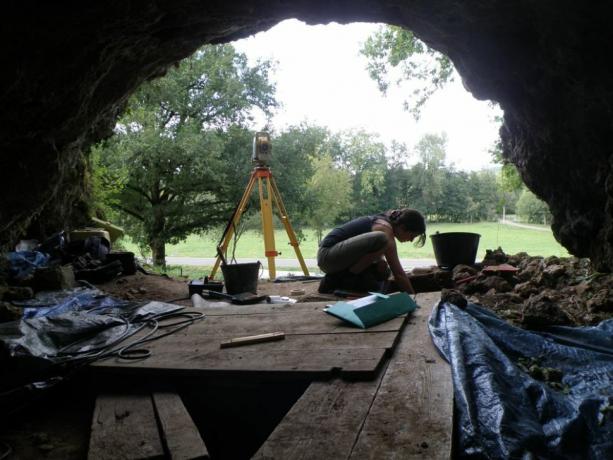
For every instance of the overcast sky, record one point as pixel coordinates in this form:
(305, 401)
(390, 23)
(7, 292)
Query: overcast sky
(321, 78)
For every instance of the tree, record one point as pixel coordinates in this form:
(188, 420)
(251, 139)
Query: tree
(363, 155)
(394, 47)
(330, 191)
(428, 174)
(510, 180)
(294, 153)
(397, 178)
(531, 209)
(457, 202)
(485, 195)
(171, 146)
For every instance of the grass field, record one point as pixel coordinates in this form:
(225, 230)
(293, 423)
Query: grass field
(511, 239)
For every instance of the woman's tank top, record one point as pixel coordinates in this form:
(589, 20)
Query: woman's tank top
(350, 229)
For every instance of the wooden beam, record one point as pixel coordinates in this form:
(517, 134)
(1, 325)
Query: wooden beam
(323, 423)
(178, 430)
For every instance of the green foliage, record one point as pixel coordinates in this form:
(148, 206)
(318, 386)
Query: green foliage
(484, 195)
(531, 209)
(428, 175)
(294, 152)
(363, 156)
(165, 170)
(394, 47)
(329, 189)
(509, 178)
(105, 185)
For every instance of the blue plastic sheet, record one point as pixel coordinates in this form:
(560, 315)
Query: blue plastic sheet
(53, 303)
(23, 263)
(501, 411)
(53, 320)
(60, 331)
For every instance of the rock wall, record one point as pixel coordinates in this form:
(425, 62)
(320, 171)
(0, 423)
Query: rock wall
(69, 67)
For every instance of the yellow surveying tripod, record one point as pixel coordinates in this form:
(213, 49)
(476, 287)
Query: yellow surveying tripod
(268, 193)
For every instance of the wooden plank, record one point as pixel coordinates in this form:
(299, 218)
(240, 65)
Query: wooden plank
(323, 423)
(178, 430)
(124, 427)
(204, 344)
(300, 321)
(297, 353)
(316, 343)
(412, 414)
(261, 308)
(408, 407)
(360, 363)
(295, 309)
(311, 321)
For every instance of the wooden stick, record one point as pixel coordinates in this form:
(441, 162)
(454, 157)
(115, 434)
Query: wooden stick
(240, 341)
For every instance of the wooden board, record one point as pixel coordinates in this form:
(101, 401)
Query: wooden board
(412, 414)
(323, 423)
(177, 428)
(124, 427)
(408, 407)
(315, 344)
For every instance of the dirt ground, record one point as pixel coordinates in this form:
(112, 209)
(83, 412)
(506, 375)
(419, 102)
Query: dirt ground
(532, 292)
(143, 287)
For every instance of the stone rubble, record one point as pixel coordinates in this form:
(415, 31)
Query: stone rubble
(543, 291)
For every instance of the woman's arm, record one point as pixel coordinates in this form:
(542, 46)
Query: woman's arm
(391, 255)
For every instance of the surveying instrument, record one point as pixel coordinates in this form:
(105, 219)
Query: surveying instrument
(268, 191)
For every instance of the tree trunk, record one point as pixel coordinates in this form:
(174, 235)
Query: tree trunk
(156, 241)
(158, 252)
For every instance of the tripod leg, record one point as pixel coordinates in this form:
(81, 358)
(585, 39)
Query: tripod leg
(233, 223)
(288, 226)
(267, 228)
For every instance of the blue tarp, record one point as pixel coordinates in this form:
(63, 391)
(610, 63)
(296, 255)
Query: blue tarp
(501, 411)
(23, 263)
(53, 320)
(53, 303)
(63, 329)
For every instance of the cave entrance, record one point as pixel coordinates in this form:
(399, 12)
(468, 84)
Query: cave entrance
(322, 77)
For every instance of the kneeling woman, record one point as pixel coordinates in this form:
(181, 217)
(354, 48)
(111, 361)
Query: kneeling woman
(351, 255)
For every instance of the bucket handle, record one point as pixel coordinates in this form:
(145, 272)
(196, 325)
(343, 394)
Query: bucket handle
(261, 270)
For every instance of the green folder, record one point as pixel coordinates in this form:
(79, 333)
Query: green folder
(372, 309)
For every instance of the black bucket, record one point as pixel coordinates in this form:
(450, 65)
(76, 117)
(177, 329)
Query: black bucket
(241, 277)
(454, 248)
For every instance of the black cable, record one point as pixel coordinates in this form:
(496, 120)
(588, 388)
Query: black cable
(155, 325)
(127, 351)
(91, 351)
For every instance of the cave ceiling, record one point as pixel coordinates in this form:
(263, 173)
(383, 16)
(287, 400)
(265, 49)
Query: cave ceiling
(69, 67)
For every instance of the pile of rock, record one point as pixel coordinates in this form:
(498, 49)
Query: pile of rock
(534, 292)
